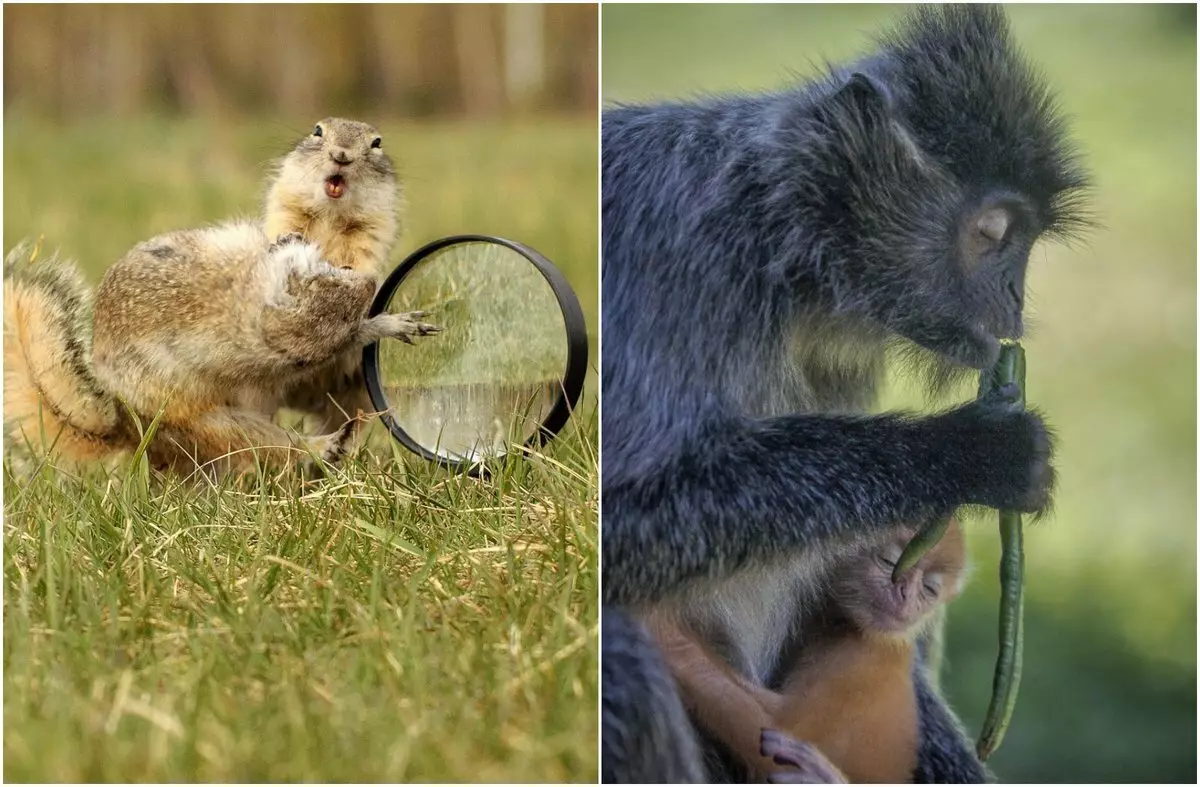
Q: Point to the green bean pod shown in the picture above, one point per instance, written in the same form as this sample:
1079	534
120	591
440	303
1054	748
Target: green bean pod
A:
1010	368
919	546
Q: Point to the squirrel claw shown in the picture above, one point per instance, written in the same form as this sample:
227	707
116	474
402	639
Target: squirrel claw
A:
414	327
404	327
286	240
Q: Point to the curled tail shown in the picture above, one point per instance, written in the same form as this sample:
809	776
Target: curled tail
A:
52	400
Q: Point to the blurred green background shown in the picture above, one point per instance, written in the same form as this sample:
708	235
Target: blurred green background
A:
1109	686
454	637
423	59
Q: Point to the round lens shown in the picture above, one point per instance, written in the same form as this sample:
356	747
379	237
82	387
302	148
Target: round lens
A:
495	375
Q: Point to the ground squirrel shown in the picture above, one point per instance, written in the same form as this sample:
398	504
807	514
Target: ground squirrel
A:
339	190
217	327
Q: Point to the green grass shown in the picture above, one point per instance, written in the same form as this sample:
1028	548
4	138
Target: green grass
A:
392	622
1109	685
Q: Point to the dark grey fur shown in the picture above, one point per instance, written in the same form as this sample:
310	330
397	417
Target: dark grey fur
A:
761	254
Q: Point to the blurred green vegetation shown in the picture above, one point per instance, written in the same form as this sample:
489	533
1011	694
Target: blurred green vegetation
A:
395	623
1109	686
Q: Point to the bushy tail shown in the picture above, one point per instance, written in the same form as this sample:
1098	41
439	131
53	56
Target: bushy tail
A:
52	400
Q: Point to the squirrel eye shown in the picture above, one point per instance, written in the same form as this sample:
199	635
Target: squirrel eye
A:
317	132
377	142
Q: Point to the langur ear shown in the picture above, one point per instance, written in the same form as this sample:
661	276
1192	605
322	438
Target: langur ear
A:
864	93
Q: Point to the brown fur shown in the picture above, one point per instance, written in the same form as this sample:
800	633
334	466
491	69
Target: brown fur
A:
51	399
215	329
849	693
359	236
853	699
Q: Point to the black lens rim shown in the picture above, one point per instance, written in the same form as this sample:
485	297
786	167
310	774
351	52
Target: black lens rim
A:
577	348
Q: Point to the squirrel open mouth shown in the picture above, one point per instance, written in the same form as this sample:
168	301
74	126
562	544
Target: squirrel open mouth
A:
335	186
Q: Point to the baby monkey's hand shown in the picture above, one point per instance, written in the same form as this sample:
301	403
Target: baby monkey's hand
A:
806	764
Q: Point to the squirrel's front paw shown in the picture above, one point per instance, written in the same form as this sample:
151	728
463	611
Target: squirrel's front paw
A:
286	240
407	325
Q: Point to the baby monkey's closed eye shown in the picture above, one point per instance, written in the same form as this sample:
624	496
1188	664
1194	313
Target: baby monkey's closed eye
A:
933	584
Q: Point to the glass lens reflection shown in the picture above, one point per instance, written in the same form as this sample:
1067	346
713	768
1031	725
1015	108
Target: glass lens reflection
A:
489	379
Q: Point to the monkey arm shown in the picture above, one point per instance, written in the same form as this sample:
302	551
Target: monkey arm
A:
755	488
727	705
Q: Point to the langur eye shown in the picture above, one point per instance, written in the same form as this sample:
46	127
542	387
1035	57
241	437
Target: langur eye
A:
377	142
933	584
318	131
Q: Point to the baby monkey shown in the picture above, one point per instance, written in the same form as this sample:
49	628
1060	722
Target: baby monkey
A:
847	709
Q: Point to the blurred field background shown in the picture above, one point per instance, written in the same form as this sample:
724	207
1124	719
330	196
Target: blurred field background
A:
1109	686
393	623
